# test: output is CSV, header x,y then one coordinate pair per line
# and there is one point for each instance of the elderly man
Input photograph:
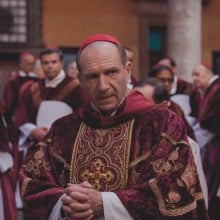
x,y
179,85
16,80
71,70
117,157
205,103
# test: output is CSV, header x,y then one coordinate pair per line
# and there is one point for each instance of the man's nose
x,y
103,82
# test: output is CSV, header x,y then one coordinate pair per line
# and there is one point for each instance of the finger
x,y
66,200
79,207
75,188
78,196
75,196
87,215
86,184
72,187
67,210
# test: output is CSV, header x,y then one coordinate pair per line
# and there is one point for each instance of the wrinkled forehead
x,y
199,69
99,45
164,62
99,50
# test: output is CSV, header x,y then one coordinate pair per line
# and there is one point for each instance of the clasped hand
x,y
81,201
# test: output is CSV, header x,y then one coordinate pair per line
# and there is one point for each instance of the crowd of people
x,y
94,142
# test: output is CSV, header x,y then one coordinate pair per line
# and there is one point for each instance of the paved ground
x,y
20,215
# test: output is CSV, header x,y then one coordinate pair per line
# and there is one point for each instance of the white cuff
x,y
6,161
25,130
113,207
203,136
56,211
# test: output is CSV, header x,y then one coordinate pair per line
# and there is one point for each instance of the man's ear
x,y
164,103
128,68
80,78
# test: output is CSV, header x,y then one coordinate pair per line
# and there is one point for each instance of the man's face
x,y
103,75
166,62
201,77
72,70
166,77
51,65
27,63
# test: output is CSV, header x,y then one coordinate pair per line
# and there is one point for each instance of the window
x,y
20,24
13,21
216,62
157,44
69,54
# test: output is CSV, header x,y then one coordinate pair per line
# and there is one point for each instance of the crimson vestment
x,y
206,109
12,90
141,153
68,91
177,109
181,86
9,174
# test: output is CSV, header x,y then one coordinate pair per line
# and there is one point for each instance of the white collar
x,y
56,80
112,114
211,81
174,85
21,73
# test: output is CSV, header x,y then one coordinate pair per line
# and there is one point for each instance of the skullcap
x,y
99,37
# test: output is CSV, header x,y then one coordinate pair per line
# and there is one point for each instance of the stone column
x,y
184,34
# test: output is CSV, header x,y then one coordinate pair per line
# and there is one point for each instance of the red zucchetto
x,y
99,37
207,66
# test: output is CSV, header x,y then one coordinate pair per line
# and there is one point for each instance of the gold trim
x,y
59,158
103,153
74,151
141,158
199,196
148,154
41,144
174,143
175,212
24,186
131,124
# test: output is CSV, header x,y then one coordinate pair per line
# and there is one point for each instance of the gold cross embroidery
x,y
97,175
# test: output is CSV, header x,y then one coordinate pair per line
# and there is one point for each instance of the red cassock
x,y
141,154
32,94
11,92
177,109
207,111
183,87
9,178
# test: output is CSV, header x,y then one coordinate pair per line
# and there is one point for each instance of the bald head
x,y
119,48
100,38
27,62
202,75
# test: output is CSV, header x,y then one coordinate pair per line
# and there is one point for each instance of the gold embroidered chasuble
x,y
101,156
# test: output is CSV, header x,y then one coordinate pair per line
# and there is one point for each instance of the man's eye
x,y
111,72
91,77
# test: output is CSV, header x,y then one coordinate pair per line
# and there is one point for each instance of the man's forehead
x,y
98,48
164,62
50,56
199,68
